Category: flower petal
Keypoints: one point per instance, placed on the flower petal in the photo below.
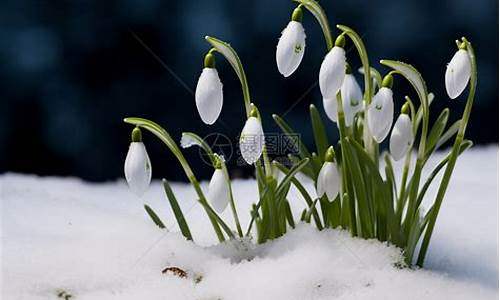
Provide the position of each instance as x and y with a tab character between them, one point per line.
457	74
352	98
381	114
137	168
252	140
208	95
332	72
330	106
290	49
218	191
401	137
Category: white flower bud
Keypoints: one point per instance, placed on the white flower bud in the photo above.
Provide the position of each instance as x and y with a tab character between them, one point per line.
457	74
332	72
208	95
137	168
352	98
252	140
290	49
328	181
401	137
218	191
381	114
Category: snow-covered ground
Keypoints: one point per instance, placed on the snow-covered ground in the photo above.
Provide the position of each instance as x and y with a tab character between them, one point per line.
94	241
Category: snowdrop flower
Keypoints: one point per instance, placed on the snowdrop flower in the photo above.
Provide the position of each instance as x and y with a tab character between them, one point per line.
328	179
381	111
458	72
402	135
291	45
352	97
252	139
208	94
218	190
137	165
332	71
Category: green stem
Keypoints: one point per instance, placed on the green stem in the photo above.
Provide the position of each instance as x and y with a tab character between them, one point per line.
453	156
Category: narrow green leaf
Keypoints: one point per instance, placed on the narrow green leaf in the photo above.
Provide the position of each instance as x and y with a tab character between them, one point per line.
232	57
288	177
413	76
319	132
318	12
436	131
179	216
452	130
154	217
288	214
221	222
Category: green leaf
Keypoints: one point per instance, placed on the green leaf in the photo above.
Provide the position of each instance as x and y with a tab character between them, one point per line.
288	177
304	194
317	11
448	134
320	136
436	131
221	222
179	216
288	214
413	76
232	57
154	217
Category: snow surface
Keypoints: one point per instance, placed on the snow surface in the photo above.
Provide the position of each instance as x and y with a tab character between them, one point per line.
94	241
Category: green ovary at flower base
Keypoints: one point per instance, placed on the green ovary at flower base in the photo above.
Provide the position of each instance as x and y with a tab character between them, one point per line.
351	190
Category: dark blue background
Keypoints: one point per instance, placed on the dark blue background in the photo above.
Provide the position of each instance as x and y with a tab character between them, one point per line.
71	70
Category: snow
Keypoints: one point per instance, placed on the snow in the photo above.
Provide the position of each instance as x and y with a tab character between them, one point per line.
94	241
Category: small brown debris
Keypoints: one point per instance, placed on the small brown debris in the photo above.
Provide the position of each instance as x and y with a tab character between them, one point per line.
176	271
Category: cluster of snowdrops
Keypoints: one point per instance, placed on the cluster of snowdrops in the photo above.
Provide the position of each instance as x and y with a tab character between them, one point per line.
353	191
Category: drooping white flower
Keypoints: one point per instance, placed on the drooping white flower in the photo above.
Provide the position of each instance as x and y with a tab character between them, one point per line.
218	191
328	181
330	106
457	74
290	49
380	114
252	140
137	166
332	72
352	98
401	137
208	95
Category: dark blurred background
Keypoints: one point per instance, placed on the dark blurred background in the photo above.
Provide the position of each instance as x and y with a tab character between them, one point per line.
72	70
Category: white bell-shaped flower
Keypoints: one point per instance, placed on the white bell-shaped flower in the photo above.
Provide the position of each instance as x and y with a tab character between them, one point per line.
401	137
381	114
290	49
352	98
332	72
218	191
328	181
330	106
137	166
252	140
458	73
208	93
